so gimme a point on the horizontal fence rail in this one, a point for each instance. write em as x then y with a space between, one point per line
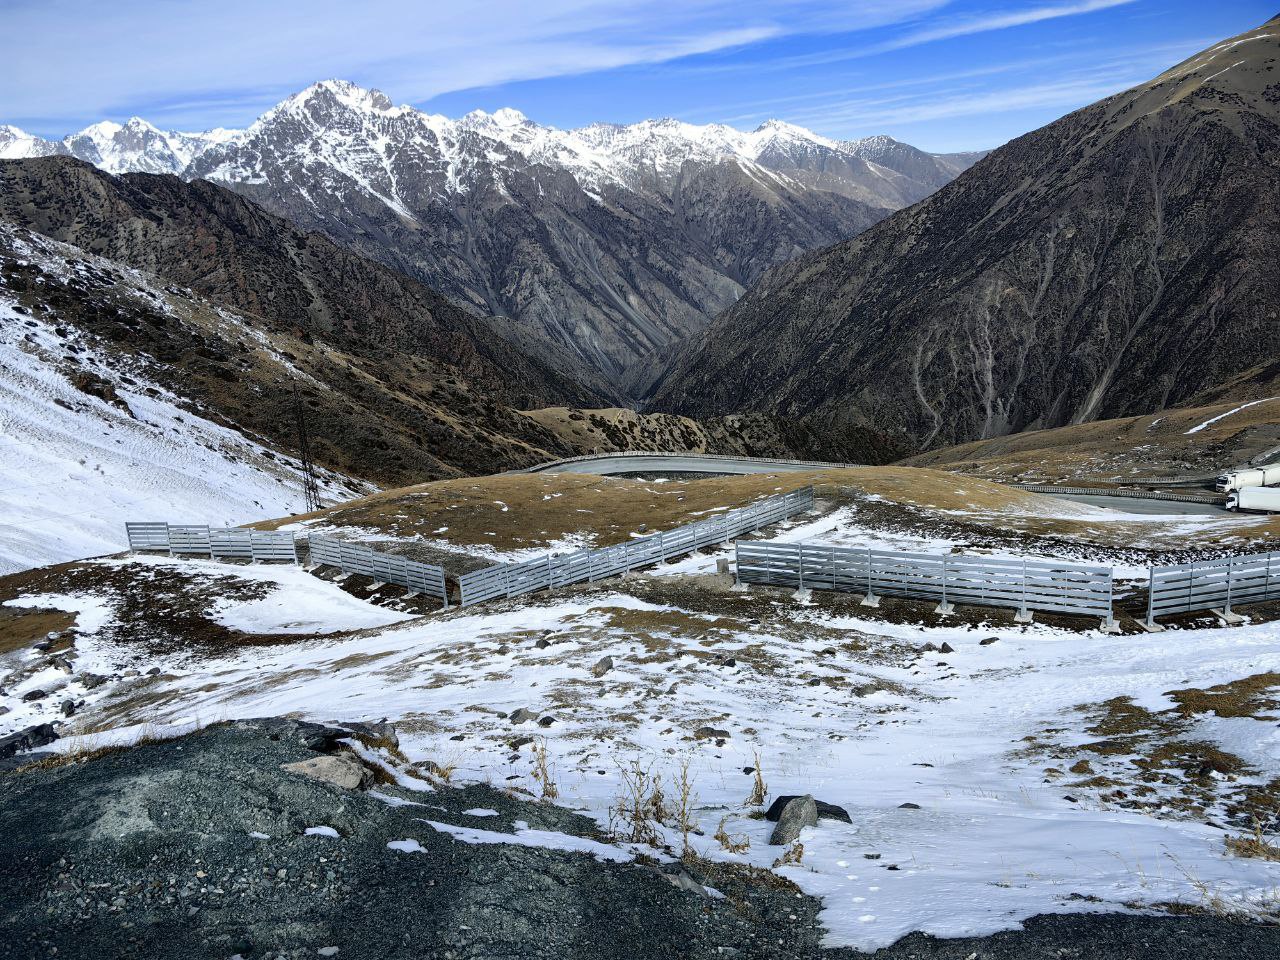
552 570
1212 584
1023 585
261 546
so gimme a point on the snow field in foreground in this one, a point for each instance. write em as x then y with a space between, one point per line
992 842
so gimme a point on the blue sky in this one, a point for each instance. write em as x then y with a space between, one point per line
942 74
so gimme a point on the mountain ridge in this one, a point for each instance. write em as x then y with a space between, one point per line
607 243
1120 260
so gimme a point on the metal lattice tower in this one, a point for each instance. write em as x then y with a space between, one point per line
310 485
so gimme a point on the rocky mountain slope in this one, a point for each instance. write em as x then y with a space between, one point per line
1120 260
230 309
608 241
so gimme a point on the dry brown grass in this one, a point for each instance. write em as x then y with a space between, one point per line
730 844
542 508
1253 845
794 854
759 789
21 627
1107 451
1247 697
542 771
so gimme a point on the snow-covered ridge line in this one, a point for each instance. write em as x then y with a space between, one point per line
594 152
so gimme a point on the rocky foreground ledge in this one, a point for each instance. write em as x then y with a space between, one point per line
272 839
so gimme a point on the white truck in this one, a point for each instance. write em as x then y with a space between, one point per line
1255 499
1258 477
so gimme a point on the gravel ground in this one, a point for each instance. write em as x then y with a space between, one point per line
151 852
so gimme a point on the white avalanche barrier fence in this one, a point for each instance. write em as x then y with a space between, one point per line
1023 585
552 570
218 543
414 576
1212 585
260 546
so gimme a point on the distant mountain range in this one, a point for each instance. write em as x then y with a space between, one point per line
608 242
1121 260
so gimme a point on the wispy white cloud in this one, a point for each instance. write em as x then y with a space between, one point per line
998 21
72 58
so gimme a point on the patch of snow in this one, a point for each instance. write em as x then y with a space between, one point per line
323 832
546 839
1223 416
406 846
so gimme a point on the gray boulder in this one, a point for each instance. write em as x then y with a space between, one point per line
522 715
602 667
826 811
799 813
340 770
27 739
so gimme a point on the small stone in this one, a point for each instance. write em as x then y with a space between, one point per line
815 682
31 695
908 806
871 856
799 812
748 770
68 708
153 672
731 662
710 733
946 648
988 641
929 648
542 643
522 715
327 951
604 665
41 645
546 721
92 681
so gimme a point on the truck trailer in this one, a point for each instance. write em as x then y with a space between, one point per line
1255 500
1267 476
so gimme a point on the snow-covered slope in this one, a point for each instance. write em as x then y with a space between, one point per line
74 467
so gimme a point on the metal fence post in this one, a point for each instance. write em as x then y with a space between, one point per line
1231 575
1266 589
870 600
944 607
1023 615
1151 596
551 574
833 569
662 547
